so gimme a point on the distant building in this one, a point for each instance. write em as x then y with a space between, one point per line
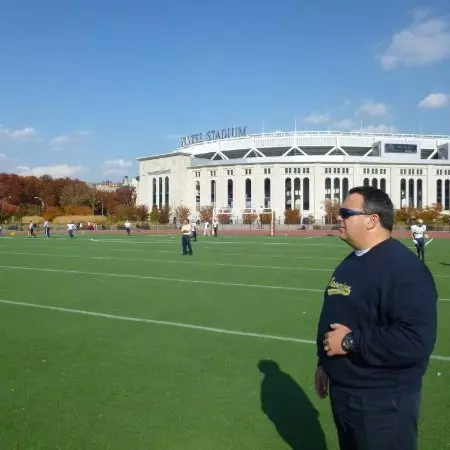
296 170
106 186
110 186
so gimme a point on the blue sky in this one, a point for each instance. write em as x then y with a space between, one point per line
87 86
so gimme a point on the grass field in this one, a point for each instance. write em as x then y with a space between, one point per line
122 343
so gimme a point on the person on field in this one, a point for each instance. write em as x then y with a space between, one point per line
186 238
376 331
419 234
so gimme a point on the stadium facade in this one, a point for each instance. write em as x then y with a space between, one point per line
238 173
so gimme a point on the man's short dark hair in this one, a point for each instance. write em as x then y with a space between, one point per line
376 202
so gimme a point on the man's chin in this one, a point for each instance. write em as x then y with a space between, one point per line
342 234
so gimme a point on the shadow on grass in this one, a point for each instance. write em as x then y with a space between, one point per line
288 407
444 264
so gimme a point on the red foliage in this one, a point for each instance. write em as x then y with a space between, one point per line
265 218
292 217
224 218
248 218
206 213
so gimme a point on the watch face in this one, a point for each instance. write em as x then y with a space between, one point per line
347 342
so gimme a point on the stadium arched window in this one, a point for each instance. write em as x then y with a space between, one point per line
213 193
419 194
160 192
411 193
344 188
337 189
366 182
447 195
154 192
305 194
288 193
439 192
297 190
402 193
327 188
166 191
248 193
383 184
230 193
267 196
197 195
375 183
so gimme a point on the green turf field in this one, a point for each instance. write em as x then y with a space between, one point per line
130 345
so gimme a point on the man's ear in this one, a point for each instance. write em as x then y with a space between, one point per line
373 222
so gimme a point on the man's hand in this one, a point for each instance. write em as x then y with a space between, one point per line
332 340
321 382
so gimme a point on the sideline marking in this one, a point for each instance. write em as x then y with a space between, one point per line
176 324
429 242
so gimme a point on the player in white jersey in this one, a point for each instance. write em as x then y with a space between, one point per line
31 232
47 228
419 234
71 227
128 227
206 229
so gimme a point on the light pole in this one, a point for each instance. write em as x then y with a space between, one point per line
42 203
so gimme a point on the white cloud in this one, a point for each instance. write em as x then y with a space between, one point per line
24 134
382 128
434 101
373 109
63 140
115 167
344 124
425 41
57 171
317 118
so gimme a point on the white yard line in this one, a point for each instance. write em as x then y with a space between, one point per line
177 280
429 242
171 280
174 261
201 263
176 324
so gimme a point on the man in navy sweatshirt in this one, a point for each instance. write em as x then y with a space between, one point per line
376 331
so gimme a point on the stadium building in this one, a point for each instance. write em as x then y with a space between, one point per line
238 173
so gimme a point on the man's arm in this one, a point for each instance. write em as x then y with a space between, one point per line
411 335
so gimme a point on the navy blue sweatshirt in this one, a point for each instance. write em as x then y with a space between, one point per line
388 298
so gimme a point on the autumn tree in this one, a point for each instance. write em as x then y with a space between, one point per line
164 215
125 195
125 212
92 198
154 215
206 213
332 211
141 213
249 218
51 212
291 217
6 210
74 194
182 213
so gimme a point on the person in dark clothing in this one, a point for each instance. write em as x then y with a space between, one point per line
376 331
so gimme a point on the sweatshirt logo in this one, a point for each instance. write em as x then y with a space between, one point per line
336 288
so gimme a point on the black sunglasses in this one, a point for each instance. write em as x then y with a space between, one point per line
345 213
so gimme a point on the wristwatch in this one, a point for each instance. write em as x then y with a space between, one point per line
348 342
